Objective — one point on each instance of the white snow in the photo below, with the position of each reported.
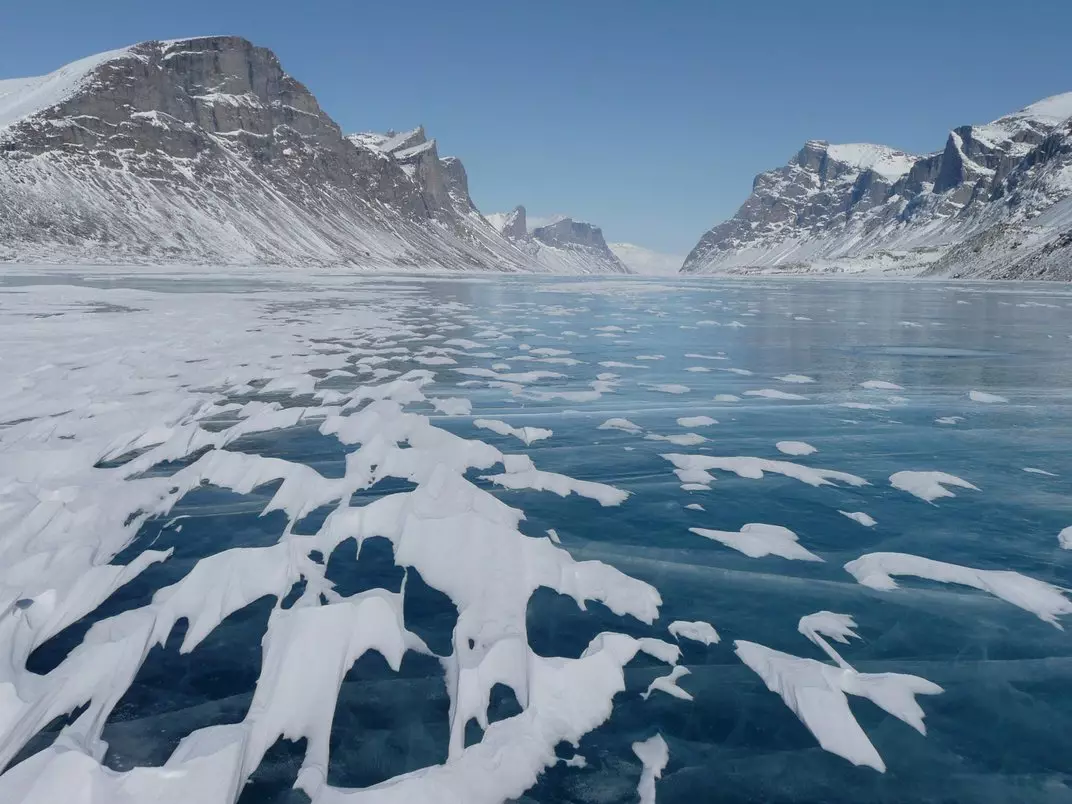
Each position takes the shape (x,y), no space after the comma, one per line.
(929,486)
(1045,601)
(526,435)
(773,393)
(887,162)
(139,379)
(1064,538)
(668,684)
(986,398)
(654,755)
(696,421)
(799,379)
(22,97)
(695,469)
(795,448)
(881,385)
(697,631)
(859,516)
(756,540)
(669,388)
(816,692)
(452,406)
(620,424)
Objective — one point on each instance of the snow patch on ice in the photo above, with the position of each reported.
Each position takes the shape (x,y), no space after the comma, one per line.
(929,486)
(1045,601)
(756,540)
(795,448)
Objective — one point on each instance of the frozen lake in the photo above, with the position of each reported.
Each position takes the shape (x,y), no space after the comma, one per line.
(154,423)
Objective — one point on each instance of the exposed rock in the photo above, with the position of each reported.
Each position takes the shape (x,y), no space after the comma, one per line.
(563,246)
(988,193)
(205,150)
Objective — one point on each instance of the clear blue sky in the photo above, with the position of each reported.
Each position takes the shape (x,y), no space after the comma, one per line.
(647,118)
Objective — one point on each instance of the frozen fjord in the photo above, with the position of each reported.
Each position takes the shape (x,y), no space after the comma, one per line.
(287,539)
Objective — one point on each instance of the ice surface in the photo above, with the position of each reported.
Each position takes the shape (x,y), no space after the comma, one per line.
(929,486)
(799,379)
(670,388)
(65,517)
(881,385)
(795,448)
(1034,471)
(1064,538)
(125,403)
(697,631)
(653,754)
(1045,601)
(756,540)
(678,439)
(949,419)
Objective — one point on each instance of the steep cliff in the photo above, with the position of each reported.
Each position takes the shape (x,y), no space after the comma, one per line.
(992,202)
(205,150)
(562,246)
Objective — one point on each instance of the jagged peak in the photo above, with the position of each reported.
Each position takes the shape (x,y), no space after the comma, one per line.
(404,140)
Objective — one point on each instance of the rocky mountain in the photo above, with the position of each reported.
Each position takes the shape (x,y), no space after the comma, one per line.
(205,151)
(995,202)
(561,246)
(642,260)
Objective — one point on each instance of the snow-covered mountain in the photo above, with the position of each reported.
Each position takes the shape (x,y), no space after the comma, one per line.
(642,260)
(995,202)
(561,245)
(205,151)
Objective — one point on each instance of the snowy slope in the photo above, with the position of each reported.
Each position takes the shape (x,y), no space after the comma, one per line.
(205,151)
(979,207)
(642,260)
(23,97)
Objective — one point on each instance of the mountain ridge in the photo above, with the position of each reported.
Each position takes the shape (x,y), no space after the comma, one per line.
(204,150)
(562,245)
(866,207)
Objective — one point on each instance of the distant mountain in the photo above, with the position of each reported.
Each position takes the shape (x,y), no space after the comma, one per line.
(995,202)
(560,246)
(642,260)
(205,151)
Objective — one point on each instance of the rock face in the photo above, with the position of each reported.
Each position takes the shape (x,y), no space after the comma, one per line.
(564,246)
(995,202)
(206,151)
